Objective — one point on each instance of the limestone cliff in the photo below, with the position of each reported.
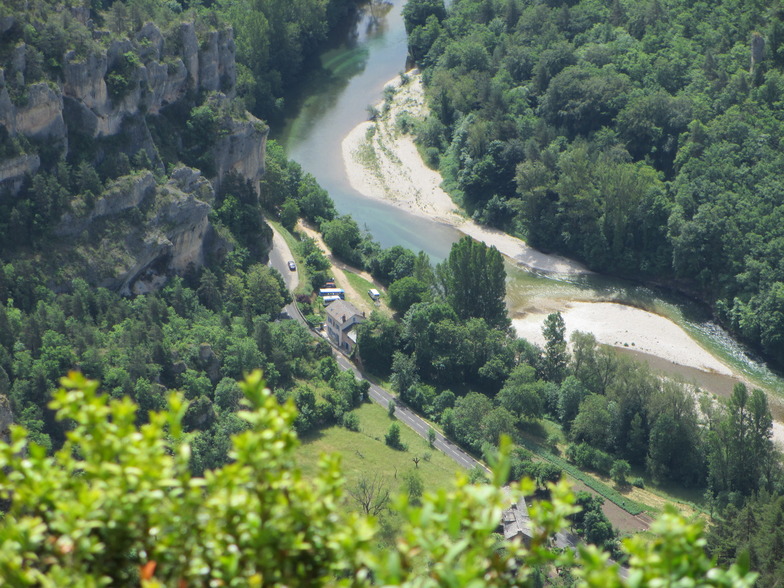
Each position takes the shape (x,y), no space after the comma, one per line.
(165,229)
(124,97)
(6,419)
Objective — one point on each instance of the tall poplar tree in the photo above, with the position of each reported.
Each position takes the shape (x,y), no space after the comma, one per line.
(473,280)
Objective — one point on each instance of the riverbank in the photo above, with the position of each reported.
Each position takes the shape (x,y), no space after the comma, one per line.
(383,163)
(627,327)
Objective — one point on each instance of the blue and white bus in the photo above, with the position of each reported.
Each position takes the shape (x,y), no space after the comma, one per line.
(339,292)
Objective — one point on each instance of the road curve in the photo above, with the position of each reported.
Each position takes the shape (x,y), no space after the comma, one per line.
(279,257)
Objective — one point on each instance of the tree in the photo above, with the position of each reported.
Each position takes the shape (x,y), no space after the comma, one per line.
(227,395)
(431,437)
(266,291)
(570,395)
(343,236)
(139,514)
(414,487)
(496,423)
(393,264)
(620,472)
(596,423)
(377,340)
(404,372)
(209,291)
(417,12)
(406,292)
(371,495)
(289,214)
(740,449)
(473,280)
(468,413)
(392,438)
(546,473)
(556,357)
(521,394)
(314,202)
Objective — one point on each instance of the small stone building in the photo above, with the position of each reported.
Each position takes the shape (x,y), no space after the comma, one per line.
(515,523)
(341,318)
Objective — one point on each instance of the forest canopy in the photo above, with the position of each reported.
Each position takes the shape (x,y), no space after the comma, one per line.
(642,138)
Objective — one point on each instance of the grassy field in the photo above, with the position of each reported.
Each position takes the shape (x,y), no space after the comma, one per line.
(364,454)
(362,285)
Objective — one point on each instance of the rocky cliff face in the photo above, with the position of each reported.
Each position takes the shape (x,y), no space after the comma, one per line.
(164,229)
(157,72)
(6,419)
(113,97)
(178,234)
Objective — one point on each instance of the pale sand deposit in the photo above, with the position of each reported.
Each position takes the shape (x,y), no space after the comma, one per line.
(626,326)
(382,162)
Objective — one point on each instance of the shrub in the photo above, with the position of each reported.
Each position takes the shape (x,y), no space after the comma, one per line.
(120,78)
(392,438)
(586,457)
(351,421)
(620,471)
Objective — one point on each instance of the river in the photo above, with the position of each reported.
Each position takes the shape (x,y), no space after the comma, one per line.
(333,102)
(353,72)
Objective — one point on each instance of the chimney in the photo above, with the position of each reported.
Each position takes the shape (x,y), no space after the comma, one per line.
(344,319)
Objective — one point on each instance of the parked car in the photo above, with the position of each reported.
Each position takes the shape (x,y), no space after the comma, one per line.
(292,266)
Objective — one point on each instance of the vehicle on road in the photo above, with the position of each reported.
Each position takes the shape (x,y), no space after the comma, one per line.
(292,266)
(339,292)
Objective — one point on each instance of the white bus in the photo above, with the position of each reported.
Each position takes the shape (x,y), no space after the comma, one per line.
(339,292)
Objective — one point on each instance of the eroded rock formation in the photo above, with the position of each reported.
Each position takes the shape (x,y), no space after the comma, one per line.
(114,97)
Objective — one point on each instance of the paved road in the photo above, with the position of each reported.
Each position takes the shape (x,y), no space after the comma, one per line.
(408,417)
(279,257)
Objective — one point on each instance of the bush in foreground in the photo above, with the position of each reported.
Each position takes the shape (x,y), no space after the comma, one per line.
(117,505)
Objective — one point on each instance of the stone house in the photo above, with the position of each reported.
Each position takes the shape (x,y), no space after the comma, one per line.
(341,318)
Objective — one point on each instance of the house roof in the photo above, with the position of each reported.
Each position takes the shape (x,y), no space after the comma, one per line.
(340,309)
(516,521)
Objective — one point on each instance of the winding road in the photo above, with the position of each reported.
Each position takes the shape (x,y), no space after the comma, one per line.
(278,259)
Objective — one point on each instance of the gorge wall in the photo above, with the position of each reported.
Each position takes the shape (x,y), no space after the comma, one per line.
(131,96)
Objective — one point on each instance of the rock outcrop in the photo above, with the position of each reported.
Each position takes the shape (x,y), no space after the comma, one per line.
(14,170)
(153,74)
(173,235)
(241,150)
(142,229)
(6,419)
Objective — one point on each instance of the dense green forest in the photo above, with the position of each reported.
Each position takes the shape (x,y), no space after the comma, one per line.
(642,138)
(448,351)
(214,321)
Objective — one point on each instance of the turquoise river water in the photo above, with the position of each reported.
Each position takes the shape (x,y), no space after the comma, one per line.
(354,69)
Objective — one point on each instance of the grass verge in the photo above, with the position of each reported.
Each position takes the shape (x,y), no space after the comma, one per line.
(365,454)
